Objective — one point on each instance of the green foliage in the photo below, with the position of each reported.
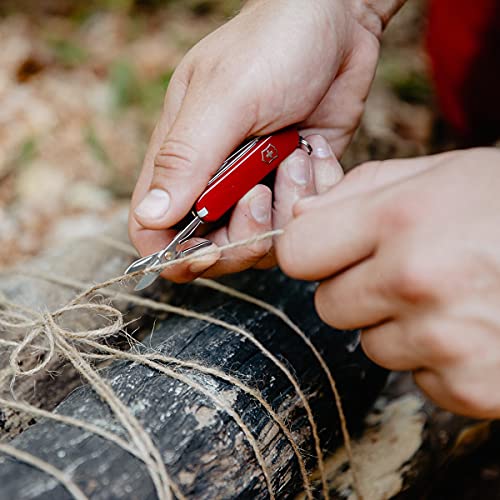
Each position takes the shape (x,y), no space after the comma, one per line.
(124,84)
(97,147)
(198,7)
(68,53)
(410,86)
(153,92)
(27,152)
(129,90)
(23,156)
(414,88)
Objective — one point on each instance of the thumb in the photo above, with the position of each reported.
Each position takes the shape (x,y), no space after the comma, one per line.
(210,123)
(371,176)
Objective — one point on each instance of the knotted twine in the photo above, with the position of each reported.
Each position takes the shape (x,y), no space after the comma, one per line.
(61,341)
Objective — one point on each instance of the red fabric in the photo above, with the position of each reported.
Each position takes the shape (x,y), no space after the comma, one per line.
(463,41)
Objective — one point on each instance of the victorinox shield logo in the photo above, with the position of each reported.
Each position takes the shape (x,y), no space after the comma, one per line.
(270,154)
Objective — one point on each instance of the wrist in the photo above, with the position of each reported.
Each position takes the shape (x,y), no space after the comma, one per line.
(374,15)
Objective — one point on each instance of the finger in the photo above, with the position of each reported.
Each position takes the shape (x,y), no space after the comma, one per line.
(460,392)
(148,241)
(188,270)
(438,390)
(355,298)
(294,180)
(326,168)
(324,242)
(299,176)
(203,134)
(387,345)
(371,176)
(251,217)
(182,272)
(432,385)
(174,98)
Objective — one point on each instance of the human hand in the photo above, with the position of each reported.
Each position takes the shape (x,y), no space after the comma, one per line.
(409,251)
(275,64)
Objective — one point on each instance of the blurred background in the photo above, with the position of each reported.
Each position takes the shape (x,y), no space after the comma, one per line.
(82,84)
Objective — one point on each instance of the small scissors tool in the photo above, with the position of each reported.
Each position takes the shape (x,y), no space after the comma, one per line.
(244,169)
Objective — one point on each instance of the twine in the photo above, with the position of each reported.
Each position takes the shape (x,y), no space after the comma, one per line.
(187,313)
(47,335)
(57,337)
(219,287)
(28,458)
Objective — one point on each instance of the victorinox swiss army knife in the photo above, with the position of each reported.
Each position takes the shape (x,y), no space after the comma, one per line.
(243,170)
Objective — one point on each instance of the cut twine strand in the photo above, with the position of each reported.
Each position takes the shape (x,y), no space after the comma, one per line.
(58,339)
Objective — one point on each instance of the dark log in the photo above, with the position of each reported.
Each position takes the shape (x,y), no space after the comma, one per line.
(404,444)
(84,258)
(204,450)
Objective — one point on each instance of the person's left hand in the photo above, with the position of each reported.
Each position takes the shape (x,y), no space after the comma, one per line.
(409,251)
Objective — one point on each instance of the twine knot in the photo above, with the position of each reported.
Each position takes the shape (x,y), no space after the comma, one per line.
(45,330)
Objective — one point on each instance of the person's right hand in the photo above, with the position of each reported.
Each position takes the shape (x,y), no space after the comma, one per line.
(277,63)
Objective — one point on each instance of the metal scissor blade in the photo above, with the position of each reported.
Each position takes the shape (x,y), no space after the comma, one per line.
(165,255)
(149,278)
(141,264)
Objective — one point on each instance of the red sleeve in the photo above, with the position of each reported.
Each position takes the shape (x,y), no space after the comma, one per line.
(463,41)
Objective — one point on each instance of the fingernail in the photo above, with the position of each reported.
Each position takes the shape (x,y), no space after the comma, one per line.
(298,169)
(321,148)
(260,208)
(154,206)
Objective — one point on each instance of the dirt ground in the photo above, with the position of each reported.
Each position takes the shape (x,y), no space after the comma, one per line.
(81,86)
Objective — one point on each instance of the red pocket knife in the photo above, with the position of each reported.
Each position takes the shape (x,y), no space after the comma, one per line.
(244,169)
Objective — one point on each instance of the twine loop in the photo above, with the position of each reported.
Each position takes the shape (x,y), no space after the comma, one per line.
(46,333)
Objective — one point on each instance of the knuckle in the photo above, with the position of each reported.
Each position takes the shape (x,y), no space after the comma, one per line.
(178,83)
(414,280)
(435,343)
(400,212)
(175,158)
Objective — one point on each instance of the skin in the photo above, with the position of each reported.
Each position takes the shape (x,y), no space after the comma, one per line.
(412,258)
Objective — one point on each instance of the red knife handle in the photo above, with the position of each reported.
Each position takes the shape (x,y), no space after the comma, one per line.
(242,171)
